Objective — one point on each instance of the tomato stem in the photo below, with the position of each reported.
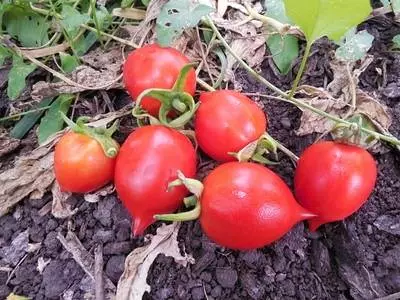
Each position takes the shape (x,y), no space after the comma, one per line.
(301,69)
(285,97)
(101,135)
(181,217)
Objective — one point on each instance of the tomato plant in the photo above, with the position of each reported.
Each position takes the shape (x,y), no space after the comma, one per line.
(225,122)
(333,180)
(84,160)
(147,162)
(151,67)
(245,206)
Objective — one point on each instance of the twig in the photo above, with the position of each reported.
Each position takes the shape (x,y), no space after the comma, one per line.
(24,113)
(394,296)
(15,269)
(98,272)
(204,57)
(122,41)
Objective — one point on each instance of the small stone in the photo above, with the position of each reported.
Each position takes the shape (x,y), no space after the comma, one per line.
(103,236)
(280,277)
(53,279)
(286,123)
(206,277)
(117,248)
(115,267)
(51,225)
(51,242)
(226,277)
(216,292)
(103,210)
(197,293)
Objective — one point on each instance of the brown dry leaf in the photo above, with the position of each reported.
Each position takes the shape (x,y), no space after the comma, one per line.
(60,207)
(84,259)
(132,284)
(102,70)
(7,143)
(129,13)
(372,108)
(32,173)
(95,196)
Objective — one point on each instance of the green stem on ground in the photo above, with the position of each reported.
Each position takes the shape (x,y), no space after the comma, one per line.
(24,113)
(301,69)
(122,41)
(292,100)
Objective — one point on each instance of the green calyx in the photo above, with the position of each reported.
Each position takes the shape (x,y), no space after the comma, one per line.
(354,134)
(175,101)
(196,188)
(102,135)
(258,150)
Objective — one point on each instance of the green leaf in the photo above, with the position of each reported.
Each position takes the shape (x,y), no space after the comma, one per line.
(276,10)
(331,18)
(83,44)
(395,6)
(68,62)
(104,18)
(284,51)
(28,121)
(176,16)
(72,19)
(396,41)
(29,28)
(52,122)
(4,53)
(17,77)
(126,3)
(146,2)
(356,45)
(385,3)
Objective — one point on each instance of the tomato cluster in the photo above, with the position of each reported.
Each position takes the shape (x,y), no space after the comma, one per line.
(240,205)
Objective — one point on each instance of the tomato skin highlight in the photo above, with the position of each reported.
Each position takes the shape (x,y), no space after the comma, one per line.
(80,164)
(226,121)
(147,162)
(334,180)
(247,206)
(153,66)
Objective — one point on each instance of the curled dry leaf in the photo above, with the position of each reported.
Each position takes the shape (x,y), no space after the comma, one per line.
(42,263)
(29,174)
(132,284)
(102,71)
(60,207)
(95,196)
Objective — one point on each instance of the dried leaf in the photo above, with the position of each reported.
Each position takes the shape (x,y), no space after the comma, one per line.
(95,196)
(132,284)
(12,254)
(129,13)
(41,264)
(102,71)
(61,208)
(13,296)
(84,259)
(30,173)
(7,143)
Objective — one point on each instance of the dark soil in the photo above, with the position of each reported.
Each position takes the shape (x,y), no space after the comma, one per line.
(358,258)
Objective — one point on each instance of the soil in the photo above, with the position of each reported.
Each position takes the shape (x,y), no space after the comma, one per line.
(358,258)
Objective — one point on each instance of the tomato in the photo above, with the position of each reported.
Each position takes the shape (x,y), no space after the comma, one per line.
(153,66)
(226,121)
(246,206)
(333,180)
(147,162)
(80,164)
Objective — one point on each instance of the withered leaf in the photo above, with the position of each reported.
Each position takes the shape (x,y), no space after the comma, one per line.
(60,207)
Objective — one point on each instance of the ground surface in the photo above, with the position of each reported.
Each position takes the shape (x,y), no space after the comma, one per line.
(355,259)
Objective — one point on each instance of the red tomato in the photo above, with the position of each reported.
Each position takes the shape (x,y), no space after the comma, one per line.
(153,66)
(80,164)
(226,121)
(333,180)
(147,162)
(246,206)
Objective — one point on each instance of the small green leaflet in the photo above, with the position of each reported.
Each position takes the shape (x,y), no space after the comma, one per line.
(83,44)
(396,41)
(52,122)
(355,46)
(4,53)
(30,29)
(72,19)
(395,6)
(176,16)
(17,77)
(331,18)
(284,49)
(68,62)
(146,2)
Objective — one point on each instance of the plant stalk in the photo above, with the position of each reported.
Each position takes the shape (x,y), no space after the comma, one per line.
(301,69)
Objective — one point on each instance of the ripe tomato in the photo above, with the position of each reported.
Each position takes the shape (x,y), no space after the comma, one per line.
(333,180)
(153,66)
(80,164)
(246,206)
(147,162)
(226,121)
